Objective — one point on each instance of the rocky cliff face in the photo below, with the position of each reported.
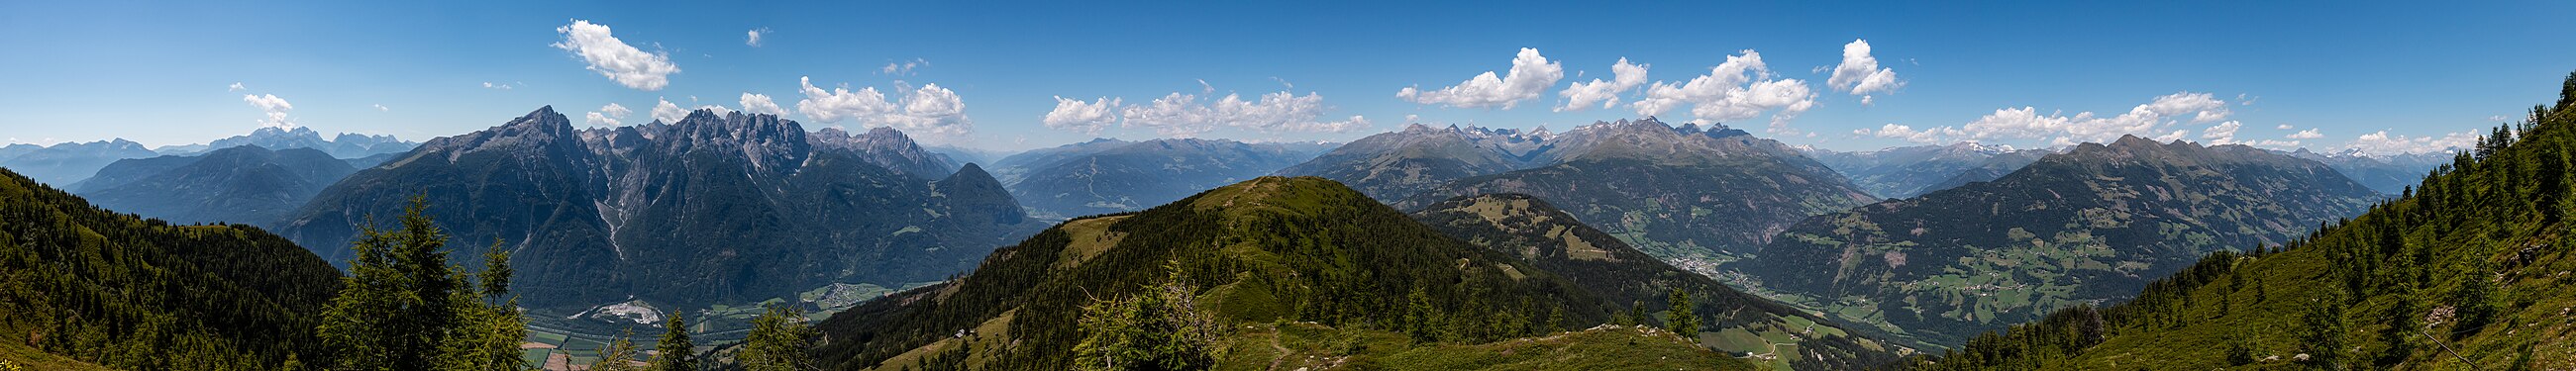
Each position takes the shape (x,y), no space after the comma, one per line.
(710,209)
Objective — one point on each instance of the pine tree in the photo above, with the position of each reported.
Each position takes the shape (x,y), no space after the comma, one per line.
(1680,319)
(619,355)
(674,352)
(778,341)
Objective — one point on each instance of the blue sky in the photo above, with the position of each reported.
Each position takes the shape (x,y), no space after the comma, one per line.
(2382,77)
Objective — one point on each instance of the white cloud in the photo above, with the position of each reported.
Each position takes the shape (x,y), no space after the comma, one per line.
(2311,133)
(761,104)
(1860,75)
(840,103)
(2382,144)
(275,108)
(1907,133)
(381,108)
(609,115)
(2059,129)
(235,87)
(1204,88)
(666,112)
(1624,76)
(1186,115)
(1181,115)
(930,110)
(500,86)
(752,37)
(1531,75)
(2495,118)
(1741,88)
(1077,116)
(1412,118)
(613,58)
(2283,127)
(903,68)
(2223,133)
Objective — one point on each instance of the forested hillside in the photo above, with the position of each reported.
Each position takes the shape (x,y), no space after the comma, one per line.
(2468,270)
(131,293)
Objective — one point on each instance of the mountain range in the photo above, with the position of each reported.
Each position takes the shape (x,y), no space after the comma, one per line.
(714,208)
(345,145)
(246,184)
(2083,227)
(1901,172)
(1109,176)
(2386,174)
(67,163)
(1694,196)
(2467,271)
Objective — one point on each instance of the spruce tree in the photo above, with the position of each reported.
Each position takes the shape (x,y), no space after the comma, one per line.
(674,352)
(1680,319)
(402,307)
(619,355)
(778,341)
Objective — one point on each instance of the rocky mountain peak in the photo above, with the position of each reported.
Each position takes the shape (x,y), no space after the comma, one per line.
(886,147)
(543,130)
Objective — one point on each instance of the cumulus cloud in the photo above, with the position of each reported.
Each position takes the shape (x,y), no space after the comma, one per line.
(613,58)
(930,110)
(1187,115)
(1860,74)
(2222,133)
(381,108)
(903,68)
(2382,143)
(1624,76)
(2026,123)
(1182,115)
(1531,75)
(1741,88)
(666,112)
(840,103)
(499,86)
(609,115)
(1086,118)
(235,87)
(752,37)
(2311,133)
(1908,133)
(2283,127)
(761,104)
(275,109)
